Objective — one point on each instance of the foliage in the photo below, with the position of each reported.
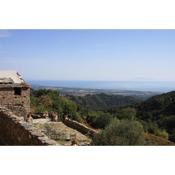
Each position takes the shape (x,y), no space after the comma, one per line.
(121,132)
(159,110)
(151,139)
(127,113)
(168,122)
(107,112)
(98,119)
(69,107)
(158,105)
(150,126)
(153,128)
(50,100)
(103,101)
(162,133)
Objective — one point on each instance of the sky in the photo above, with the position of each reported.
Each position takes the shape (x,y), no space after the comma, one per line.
(109,55)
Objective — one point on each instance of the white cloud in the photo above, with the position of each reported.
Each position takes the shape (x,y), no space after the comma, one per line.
(4,34)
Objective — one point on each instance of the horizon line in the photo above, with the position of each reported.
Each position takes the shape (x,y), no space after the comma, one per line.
(105,80)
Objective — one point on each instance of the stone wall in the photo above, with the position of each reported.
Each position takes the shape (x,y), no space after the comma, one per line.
(15,131)
(19,104)
(80,127)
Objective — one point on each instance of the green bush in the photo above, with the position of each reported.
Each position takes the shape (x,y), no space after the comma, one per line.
(162,133)
(127,113)
(168,122)
(150,127)
(76,116)
(124,132)
(99,119)
(153,128)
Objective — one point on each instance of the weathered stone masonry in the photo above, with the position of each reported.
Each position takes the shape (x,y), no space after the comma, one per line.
(14,93)
(18,103)
(15,131)
(80,127)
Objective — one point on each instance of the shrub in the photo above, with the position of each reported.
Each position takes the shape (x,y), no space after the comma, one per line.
(162,133)
(124,132)
(127,113)
(76,116)
(168,122)
(150,127)
(98,119)
(69,107)
(153,128)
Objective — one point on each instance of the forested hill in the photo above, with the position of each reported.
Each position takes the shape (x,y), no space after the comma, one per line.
(159,111)
(104,102)
(158,105)
(154,117)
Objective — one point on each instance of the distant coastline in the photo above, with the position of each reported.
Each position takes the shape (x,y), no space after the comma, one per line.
(109,85)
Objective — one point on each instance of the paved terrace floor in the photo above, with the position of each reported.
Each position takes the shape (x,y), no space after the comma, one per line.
(62,132)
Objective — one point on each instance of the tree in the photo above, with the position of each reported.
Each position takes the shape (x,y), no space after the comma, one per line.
(69,107)
(124,132)
(98,119)
(127,113)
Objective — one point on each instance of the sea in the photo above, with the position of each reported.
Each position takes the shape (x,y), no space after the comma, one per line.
(159,86)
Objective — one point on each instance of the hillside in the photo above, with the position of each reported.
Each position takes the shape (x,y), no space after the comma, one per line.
(104,102)
(158,105)
(159,111)
(156,116)
(151,139)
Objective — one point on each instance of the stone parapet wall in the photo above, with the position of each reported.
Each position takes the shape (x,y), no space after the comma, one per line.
(15,131)
(80,127)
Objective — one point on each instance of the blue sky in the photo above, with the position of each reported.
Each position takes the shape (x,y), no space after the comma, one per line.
(123,55)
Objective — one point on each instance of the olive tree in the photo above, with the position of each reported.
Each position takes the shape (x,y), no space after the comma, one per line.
(121,132)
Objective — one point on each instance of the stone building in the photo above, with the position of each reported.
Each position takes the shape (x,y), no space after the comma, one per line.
(14,93)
